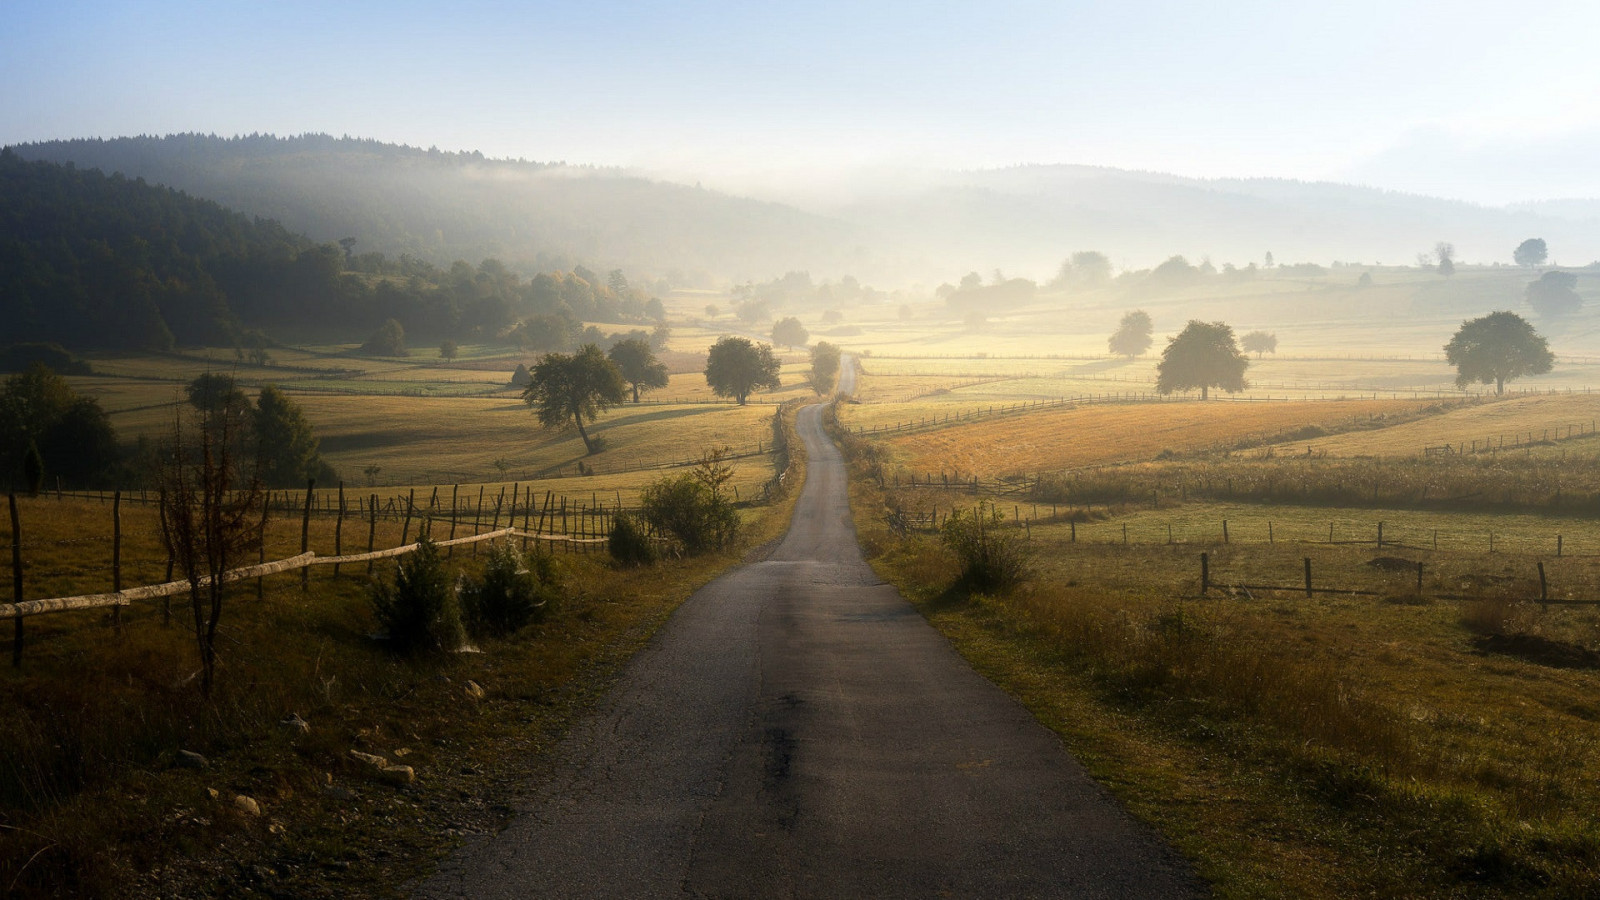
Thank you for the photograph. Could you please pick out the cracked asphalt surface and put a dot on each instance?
(798, 730)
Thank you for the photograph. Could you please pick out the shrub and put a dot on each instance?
(420, 610)
(693, 508)
(629, 544)
(516, 590)
(992, 556)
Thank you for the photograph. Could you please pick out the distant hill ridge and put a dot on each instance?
(442, 206)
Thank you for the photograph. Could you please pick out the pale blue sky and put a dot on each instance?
(1429, 97)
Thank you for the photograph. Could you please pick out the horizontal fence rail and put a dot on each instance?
(300, 561)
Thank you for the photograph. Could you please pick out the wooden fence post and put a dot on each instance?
(1224, 531)
(166, 543)
(477, 519)
(1543, 587)
(1205, 574)
(116, 558)
(405, 529)
(1380, 535)
(338, 531)
(1558, 546)
(261, 551)
(372, 528)
(305, 532)
(1308, 577)
(16, 578)
(455, 490)
(1419, 578)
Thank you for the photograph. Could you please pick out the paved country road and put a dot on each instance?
(798, 730)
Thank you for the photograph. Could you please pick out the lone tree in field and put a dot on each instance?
(566, 389)
(1531, 252)
(1133, 335)
(286, 447)
(1555, 294)
(1259, 342)
(736, 366)
(388, 340)
(1202, 356)
(1446, 253)
(1496, 348)
(789, 332)
(638, 365)
(824, 367)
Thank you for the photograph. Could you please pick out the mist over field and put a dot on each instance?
(828, 449)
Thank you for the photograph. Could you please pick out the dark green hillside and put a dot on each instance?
(93, 260)
(442, 206)
(90, 260)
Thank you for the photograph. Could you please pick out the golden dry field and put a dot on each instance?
(1055, 439)
(1513, 421)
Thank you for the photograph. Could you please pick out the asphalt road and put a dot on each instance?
(798, 730)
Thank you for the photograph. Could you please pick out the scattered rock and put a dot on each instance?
(295, 725)
(213, 793)
(189, 759)
(247, 805)
(398, 774)
(402, 753)
(475, 690)
(376, 762)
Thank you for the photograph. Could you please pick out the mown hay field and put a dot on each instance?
(1055, 439)
(1510, 421)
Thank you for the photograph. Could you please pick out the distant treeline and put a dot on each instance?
(91, 260)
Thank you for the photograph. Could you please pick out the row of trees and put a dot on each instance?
(1133, 337)
(570, 389)
(1491, 349)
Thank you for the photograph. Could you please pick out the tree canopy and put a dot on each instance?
(1132, 336)
(1531, 252)
(789, 332)
(1555, 294)
(637, 362)
(824, 367)
(67, 434)
(1259, 342)
(1497, 348)
(286, 448)
(736, 366)
(569, 388)
(1203, 355)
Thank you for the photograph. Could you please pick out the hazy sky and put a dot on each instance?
(1483, 101)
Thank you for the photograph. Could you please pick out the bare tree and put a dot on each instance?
(211, 508)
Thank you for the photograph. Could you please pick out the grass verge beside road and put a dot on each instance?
(1334, 747)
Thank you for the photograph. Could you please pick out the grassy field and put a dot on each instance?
(98, 801)
(1387, 740)
(1050, 440)
(1333, 746)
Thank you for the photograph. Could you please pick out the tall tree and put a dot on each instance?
(1555, 294)
(637, 362)
(1446, 253)
(1203, 355)
(824, 367)
(1497, 348)
(736, 366)
(1259, 342)
(1133, 334)
(64, 433)
(286, 447)
(789, 332)
(566, 389)
(1531, 252)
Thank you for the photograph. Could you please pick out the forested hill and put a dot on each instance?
(441, 206)
(91, 260)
